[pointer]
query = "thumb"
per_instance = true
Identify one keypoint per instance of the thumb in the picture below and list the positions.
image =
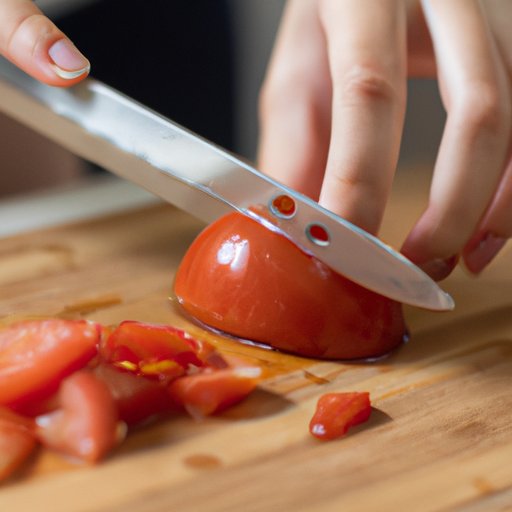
(34, 44)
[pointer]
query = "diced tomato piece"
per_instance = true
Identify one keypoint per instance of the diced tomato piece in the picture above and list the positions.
(212, 391)
(154, 350)
(36, 355)
(86, 423)
(35, 408)
(137, 398)
(337, 412)
(17, 441)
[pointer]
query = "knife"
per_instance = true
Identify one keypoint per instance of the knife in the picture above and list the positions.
(103, 126)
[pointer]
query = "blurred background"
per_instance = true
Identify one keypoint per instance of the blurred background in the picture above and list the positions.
(200, 63)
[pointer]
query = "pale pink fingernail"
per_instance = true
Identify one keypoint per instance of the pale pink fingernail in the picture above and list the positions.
(68, 62)
(483, 253)
(439, 269)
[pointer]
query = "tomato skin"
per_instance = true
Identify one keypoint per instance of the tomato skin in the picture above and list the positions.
(337, 412)
(153, 349)
(85, 425)
(137, 398)
(17, 441)
(36, 355)
(213, 391)
(248, 281)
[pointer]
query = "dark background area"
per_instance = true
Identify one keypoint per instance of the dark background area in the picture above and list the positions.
(174, 57)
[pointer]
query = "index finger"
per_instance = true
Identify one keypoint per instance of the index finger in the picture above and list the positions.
(32, 42)
(367, 57)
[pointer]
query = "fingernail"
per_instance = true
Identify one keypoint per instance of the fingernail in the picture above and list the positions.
(68, 62)
(483, 253)
(439, 269)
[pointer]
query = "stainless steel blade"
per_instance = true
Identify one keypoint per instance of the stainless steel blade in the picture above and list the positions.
(105, 127)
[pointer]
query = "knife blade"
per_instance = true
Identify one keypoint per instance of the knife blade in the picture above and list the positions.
(102, 125)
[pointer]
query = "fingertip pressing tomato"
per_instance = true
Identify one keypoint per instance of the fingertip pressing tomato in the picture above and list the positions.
(212, 391)
(86, 424)
(17, 441)
(153, 349)
(337, 412)
(36, 355)
(248, 281)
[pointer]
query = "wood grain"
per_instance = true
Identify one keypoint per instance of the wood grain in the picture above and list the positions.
(440, 436)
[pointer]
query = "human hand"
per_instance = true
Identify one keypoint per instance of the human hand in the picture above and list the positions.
(32, 42)
(333, 105)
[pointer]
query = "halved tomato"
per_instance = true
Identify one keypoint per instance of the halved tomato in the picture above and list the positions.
(255, 284)
(86, 423)
(36, 355)
(17, 441)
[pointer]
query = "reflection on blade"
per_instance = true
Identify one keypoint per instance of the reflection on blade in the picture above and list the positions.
(103, 126)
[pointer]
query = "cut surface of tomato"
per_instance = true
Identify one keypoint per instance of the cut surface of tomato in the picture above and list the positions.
(212, 391)
(17, 441)
(137, 398)
(255, 284)
(85, 425)
(154, 350)
(337, 412)
(36, 355)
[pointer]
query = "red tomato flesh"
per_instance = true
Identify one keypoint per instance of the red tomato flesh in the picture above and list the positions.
(17, 441)
(150, 349)
(85, 425)
(248, 281)
(78, 411)
(137, 398)
(337, 412)
(213, 391)
(36, 355)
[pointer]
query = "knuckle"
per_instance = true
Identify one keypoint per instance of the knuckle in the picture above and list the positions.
(367, 83)
(33, 29)
(451, 227)
(483, 108)
(351, 181)
(358, 185)
(281, 93)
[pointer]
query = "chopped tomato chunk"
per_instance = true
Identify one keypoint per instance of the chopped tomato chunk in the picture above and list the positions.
(86, 423)
(155, 350)
(337, 412)
(212, 391)
(136, 397)
(17, 441)
(36, 355)
(84, 384)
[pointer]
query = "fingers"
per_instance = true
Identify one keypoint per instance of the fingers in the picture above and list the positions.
(36, 45)
(367, 58)
(475, 142)
(295, 102)
(495, 229)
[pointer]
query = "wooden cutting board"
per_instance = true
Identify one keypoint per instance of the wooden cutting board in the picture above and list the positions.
(440, 436)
